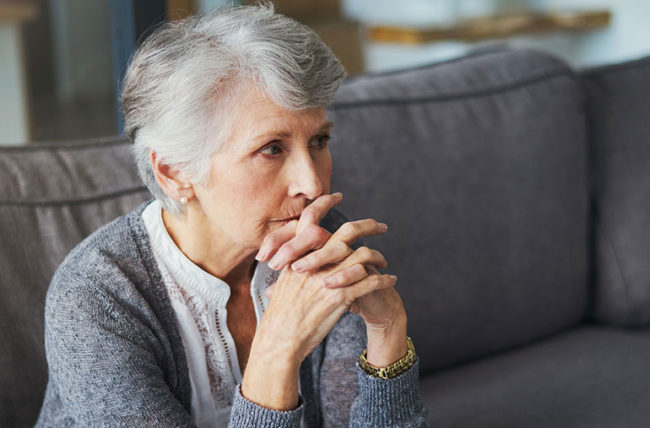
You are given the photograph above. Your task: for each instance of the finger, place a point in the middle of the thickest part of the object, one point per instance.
(346, 296)
(372, 271)
(332, 252)
(275, 239)
(269, 291)
(336, 252)
(344, 277)
(353, 230)
(368, 285)
(315, 211)
(366, 256)
(313, 237)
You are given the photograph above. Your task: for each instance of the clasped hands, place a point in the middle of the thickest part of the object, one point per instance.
(321, 272)
(321, 278)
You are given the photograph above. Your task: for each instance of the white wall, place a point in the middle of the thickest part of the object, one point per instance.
(627, 37)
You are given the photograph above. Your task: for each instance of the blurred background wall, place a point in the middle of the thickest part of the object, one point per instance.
(61, 60)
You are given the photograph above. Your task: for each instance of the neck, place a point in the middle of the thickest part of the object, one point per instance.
(211, 250)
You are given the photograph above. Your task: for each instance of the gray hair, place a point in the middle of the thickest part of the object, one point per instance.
(181, 80)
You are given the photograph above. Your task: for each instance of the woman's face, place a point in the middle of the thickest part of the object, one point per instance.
(272, 164)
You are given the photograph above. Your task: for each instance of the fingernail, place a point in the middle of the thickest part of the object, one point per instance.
(261, 254)
(393, 277)
(298, 266)
(273, 264)
(338, 195)
(383, 226)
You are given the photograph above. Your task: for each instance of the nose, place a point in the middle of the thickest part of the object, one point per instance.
(304, 179)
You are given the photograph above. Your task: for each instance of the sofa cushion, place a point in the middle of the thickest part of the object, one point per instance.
(618, 102)
(590, 377)
(51, 197)
(478, 166)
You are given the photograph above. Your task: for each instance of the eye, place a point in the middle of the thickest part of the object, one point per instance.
(321, 141)
(272, 149)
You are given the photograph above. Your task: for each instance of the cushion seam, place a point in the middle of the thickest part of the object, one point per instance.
(76, 201)
(457, 96)
(65, 145)
(431, 65)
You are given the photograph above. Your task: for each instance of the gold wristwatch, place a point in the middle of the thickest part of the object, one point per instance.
(395, 369)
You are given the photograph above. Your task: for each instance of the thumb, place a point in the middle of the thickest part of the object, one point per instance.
(269, 290)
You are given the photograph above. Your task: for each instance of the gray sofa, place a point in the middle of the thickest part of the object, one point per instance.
(517, 197)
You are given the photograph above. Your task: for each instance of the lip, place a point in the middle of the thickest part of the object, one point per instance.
(287, 220)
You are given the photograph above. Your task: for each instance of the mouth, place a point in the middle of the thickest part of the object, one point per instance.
(287, 220)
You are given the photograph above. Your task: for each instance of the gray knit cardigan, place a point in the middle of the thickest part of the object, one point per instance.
(116, 358)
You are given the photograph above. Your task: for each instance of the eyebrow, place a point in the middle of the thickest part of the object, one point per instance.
(284, 134)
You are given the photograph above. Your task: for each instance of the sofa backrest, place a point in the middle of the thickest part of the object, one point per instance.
(618, 103)
(51, 197)
(479, 168)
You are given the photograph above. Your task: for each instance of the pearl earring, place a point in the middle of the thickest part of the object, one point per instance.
(183, 200)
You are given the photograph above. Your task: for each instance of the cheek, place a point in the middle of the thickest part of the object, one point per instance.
(325, 171)
(256, 194)
(233, 195)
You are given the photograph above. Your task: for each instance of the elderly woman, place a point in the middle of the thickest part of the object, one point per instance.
(235, 297)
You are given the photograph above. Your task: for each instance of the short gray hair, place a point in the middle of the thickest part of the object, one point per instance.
(181, 80)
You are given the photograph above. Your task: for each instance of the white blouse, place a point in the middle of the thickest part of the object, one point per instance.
(199, 300)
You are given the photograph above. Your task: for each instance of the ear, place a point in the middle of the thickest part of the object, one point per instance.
(170, 179)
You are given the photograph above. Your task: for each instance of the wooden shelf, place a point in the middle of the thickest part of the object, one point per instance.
(14, 10)
(494, 27)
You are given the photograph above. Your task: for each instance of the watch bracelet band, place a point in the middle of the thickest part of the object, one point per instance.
(393, 370)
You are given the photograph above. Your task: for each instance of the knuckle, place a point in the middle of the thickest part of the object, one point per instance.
(316, 234)
(289, 247)
(348, 228)
(322, 234)
(378, 257)
(309, 213)
(388, 281)
(364, 252)
(354, 272)
(311, 229)
(359, 269)
(377, 280)
(273, 241)
(343, 277)
(331, 249)
(341, 247)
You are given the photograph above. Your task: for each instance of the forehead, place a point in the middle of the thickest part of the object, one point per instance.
(253, 115)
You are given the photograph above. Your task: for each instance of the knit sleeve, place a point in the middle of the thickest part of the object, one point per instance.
(350, 397)
(107, 364)
(245, 413)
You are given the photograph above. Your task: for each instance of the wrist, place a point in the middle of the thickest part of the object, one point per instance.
(271, 377)
(387, 344)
